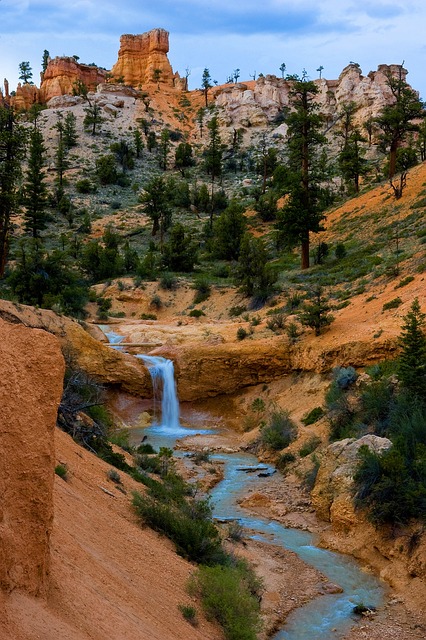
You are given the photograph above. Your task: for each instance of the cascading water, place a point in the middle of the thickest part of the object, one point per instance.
(163, 382)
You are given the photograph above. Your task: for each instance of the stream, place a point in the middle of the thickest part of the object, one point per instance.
(324, 617)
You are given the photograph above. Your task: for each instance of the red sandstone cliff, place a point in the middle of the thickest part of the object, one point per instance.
(31, 373)
(62, 74)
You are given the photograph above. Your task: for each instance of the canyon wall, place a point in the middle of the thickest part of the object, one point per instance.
(31, 370)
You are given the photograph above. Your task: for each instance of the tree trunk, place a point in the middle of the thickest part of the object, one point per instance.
(305, 253)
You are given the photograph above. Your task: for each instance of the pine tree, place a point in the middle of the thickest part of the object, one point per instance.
(412, 360)
(12, 149)
(34, 196)
(206, 83)
(397, 120)
(70, 131)
(213, 157)
(315, 313)
(303, 212)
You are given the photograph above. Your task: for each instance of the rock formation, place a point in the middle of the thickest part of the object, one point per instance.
(256, 103)
(26, 95)
(333, 491)
(142, 59)
(31, 370)
(63, 72)
(108, 366)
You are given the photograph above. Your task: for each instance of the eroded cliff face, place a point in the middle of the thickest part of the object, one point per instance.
(142, 59)
(31, 371)
(63, 73)
(26, 95)
(108, 366)
(254, 104)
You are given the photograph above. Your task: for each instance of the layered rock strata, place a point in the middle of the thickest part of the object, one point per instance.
(142, 59)
(64, 73)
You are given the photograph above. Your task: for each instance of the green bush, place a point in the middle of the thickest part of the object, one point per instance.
(280, 431)
(203, 289)
(61, 470)
(230, 595)
(189, 613)
(236, 311)
(196, 313)
(313, 416)
(392, 304)
(241, 333)
(168, 282)
(172, 508)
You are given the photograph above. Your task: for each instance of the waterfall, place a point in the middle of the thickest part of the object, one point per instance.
(163, 382)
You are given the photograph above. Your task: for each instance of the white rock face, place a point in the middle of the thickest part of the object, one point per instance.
(256, 104)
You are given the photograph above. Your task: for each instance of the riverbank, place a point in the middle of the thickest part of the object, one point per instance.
(289, 581)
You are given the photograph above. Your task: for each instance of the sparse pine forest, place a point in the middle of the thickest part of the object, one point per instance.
(89, 194)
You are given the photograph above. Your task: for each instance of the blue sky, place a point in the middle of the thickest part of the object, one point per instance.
(222, 35)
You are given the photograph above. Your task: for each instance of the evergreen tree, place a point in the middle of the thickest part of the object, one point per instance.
(351, 161)
(45, 60)
(396, 121)
(124, 154)
(183, 157)
(34, 196)
(303, 212)
(253, 272)
(138, 142)
(70, 131)
(156, 206)
(93, 118)
(180, 252)
(164, 149)
(25, 73)
(228, 231)
(315, 313)
(213, 157)
(412, 360)
(206, 83)
(12, 150)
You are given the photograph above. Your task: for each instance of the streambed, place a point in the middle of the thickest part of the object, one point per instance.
(325, 617)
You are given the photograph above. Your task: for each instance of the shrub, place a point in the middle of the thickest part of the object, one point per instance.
(241, 333)
(284, 460)
(168, 282)
(61, 470)
(196, 313)
(280, 431)
(145, 447)
(236, 311)
(258, 404)
(84, 186)
(148, 316)
(344, 377)
(392, 304)
(203, 289)
(293, 332)
(189, 613)
(171, 507)
(156, 302)
(340, 251)
(313, 416)
(230, 595)
(113, 475)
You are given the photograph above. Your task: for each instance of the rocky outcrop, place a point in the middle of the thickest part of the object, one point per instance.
(63, 73)
(31, 370)
(333, 491)
(142, 59)
(256, 103)
(26, 95)
(108, 366)
(398, 556)
(208, 370)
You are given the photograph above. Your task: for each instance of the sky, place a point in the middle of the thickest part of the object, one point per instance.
(255, 36)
